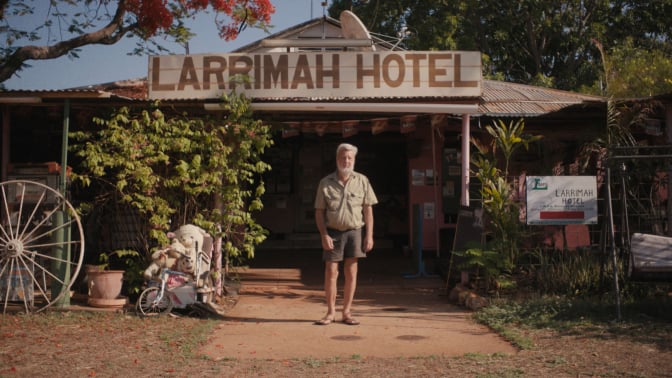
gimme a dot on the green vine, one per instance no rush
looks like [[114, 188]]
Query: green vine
[[182, 169]]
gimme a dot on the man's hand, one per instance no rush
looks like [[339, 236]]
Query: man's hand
[[368, 222], [327, 243], [368, 244]]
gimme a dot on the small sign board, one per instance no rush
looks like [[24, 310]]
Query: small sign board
[[557, 200], [469, 230]]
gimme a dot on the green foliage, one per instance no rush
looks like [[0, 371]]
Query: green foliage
[[125, 256], [576, 316], [503, 320], [577, 273], [583, 275], [181, 169], [638, 72], [488, 265], [501, 210], [509, 138], [546, 43]]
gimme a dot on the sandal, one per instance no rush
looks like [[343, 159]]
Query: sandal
[[324, 321], [349, 320]]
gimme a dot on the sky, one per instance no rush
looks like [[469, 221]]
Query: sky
[[103, 64]]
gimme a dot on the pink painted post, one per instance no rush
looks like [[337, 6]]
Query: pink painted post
[[466, 136]]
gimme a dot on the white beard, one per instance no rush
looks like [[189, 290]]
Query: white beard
[[346, 171]]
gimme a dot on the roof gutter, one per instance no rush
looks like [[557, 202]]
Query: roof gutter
[[20, 100]]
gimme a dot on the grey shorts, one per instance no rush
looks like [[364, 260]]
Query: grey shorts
[[346, 244]]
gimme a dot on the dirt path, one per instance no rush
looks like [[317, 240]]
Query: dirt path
[[274, 318]]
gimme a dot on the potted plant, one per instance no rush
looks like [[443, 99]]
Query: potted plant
[[105, 280]]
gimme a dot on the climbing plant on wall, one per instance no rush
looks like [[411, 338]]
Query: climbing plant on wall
[[181, 169]]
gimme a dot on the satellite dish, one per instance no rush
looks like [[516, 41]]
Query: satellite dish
[[353, 28]]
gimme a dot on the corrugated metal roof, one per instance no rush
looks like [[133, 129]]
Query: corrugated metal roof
[[129, 89], [27, 96], [499, 99], [515, 100], [55, 93]]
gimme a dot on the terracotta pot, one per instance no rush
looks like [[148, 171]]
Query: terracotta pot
[[105, 284]]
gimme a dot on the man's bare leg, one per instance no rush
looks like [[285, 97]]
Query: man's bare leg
[[350, 269], [330, 289]]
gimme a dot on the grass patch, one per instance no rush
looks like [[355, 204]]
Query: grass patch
[[188, 339], [506, 373], [313, 363], [574, 316], [475, 356], [503, 319], [557, 361]]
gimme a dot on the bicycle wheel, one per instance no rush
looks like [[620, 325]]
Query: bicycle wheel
[[41, 246], [148, 305]]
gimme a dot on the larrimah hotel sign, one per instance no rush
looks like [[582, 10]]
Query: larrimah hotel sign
[[317, 74]]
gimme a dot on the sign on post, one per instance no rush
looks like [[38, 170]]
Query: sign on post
[[557, 200]]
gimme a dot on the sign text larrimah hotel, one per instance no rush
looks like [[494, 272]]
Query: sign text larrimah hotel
[[317, 74]]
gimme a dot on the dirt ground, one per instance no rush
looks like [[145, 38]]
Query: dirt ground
[[83, 342], [109, 344]]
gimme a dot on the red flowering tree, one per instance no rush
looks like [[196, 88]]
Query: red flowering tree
[[105, 22]]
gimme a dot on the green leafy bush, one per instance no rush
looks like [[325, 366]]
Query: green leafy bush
[[181, 169]]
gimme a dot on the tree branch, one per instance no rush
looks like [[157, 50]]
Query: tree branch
[[108, 35], [3, 7]]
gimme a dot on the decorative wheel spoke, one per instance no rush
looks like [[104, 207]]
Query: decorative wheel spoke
[[149, 303], [41, 246]]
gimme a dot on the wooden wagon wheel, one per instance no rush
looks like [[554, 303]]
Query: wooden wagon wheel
[[41, 246]]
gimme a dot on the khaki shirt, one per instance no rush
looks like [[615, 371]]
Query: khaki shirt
[[343, 203]]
